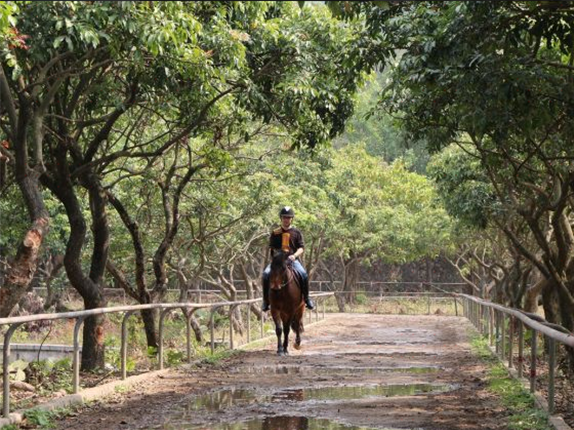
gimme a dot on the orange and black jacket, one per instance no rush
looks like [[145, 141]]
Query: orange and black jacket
[[286, 240]]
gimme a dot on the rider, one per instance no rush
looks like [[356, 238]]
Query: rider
[[287, 239]]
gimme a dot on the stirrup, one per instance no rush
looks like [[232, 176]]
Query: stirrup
[[309, 303], [265, 307]]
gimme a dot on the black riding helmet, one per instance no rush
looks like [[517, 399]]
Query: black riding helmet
[[287, 211]]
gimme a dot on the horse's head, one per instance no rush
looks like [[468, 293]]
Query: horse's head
[[280, 271]]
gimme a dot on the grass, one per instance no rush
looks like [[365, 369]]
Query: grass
[[396, 306], [43, 419], [121, 389], [40, 418], [218, 356], [520, 403]]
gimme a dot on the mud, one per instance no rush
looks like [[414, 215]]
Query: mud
[[353, 371]]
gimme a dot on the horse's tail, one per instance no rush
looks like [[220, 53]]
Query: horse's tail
[[297, 326]]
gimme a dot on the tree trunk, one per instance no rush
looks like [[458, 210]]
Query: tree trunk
[[93, 350], [141, 295], [196, 329], [351, 272], [23, 267], [531, 295], [550, 304], [89, 287], [17, 130], [148, 318], [249, 288], [54, 264], [184, 287]]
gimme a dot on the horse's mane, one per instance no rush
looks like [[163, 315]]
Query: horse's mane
[[279, 260], [282, 266]]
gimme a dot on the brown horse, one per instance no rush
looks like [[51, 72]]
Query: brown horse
[[286, 300]]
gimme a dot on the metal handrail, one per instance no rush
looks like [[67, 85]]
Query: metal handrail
[[493, 325], [15, 322], [542, 327], [319, 283]]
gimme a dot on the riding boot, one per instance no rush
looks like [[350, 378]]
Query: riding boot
[[305, 287], [265, 306]]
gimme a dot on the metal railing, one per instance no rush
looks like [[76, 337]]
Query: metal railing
[[428, 296], [490, 320], [315, 285], [164, 308]]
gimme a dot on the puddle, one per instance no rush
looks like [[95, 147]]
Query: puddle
[[283, 423], [360, 392], [392, 343], [313, 370], [224, 399], [228, 398], [385, 353]]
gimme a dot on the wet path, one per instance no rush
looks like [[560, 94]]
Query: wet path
[[354, 371]]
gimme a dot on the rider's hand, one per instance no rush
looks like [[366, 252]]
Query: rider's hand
[[292, 258]]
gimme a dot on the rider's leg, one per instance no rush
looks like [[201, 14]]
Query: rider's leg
[[266, 273], [304, 283]]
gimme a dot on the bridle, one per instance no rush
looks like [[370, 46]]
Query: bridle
[[290, 276]]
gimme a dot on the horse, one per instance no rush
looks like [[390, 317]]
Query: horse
[[286, 300]]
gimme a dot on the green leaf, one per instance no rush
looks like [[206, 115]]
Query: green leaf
[[382, 4], [58, 41], [335, 8]]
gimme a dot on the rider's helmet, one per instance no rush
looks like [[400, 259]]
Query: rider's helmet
[[287, 211]]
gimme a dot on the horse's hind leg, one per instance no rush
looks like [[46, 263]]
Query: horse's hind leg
[[296, 326], [286, 329]]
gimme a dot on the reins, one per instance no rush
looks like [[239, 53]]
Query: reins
[[290, 277]]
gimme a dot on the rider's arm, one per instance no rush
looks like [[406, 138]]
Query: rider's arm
[[300, 244], [299, 252]]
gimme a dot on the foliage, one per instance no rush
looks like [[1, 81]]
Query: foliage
[[380, 132], [218, 356], [361, 299], [121, 389], [383, 211], [495, 78], [174, 357], [51, 376], [17, 368], [114, 355], [40, 417], [464, 187]]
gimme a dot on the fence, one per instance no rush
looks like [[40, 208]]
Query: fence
[[490, 320], [164, 308], [205, 292]]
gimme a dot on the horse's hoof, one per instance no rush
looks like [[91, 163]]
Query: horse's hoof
[[280, 353], [286, 353], [297, 346]]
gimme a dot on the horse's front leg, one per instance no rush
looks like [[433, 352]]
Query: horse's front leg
[[278, 332], [286, 330]]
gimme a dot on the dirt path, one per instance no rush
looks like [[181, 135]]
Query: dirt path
[[377, 371]]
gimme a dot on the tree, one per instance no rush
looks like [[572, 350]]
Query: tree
[[499, 75], [381, 212], [20, 119], [116, 81]]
